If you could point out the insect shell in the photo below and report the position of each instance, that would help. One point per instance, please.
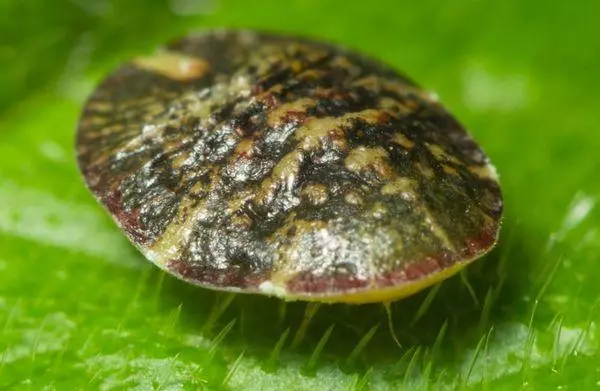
(249, 162)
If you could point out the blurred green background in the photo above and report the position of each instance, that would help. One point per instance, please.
(81, 309)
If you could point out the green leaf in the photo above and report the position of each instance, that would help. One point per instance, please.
(81, 309)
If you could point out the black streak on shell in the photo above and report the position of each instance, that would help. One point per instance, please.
(257, 163)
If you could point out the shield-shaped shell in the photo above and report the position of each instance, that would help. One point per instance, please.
(250, 162)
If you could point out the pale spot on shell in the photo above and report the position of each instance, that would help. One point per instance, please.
(484, 172)
(278, 116)
(239, 200)
(398, 186)
(180, 160)
(296, 66)
(315, 193)
(449, 170)
(95, 121)
(241, 220)
(169, 245)
(353, 198)
(440, 154)
(393, 105)
(271, 289)
(148, 132)
(363, 158)
(198, 188)
(101, 107)
(176, 66)
(288, 166)
(379, 210)
(425, 170)
(402, 140)
(108, 130)
(345, 63)
(284, 175)
(313, 133)
(244, 148)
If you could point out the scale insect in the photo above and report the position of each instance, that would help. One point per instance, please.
(256, 163)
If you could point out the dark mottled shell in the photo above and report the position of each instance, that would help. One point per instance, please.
(256, 163)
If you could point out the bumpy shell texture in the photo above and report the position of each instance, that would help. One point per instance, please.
(256, 163)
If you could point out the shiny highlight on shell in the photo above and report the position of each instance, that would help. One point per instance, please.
(257, 163)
